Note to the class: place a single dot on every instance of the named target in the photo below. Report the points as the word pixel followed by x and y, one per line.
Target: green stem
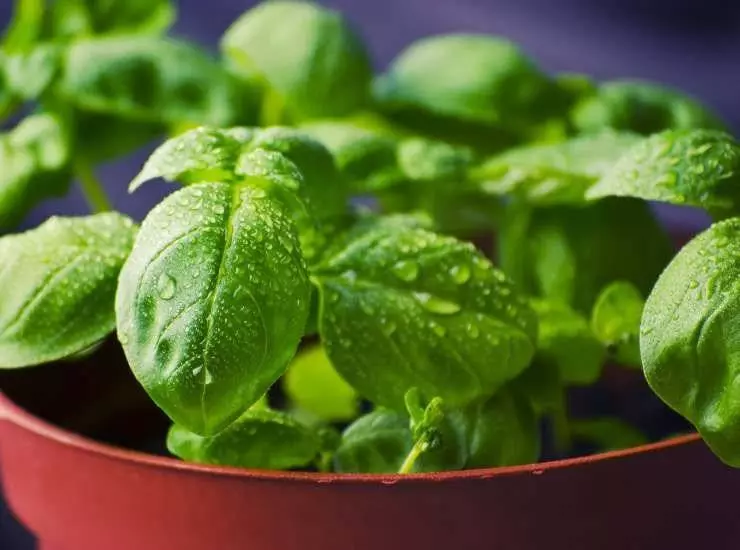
pixel 415 452
pixel 91 187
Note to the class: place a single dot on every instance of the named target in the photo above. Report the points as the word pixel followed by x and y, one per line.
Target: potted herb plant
pixel 335 375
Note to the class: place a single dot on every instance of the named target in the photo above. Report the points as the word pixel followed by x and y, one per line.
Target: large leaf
pixel 615 320
pixel 312 63
pixel 686 167
pixel 212 302
pixel 403 307
pixel 690 337
pixel 57 286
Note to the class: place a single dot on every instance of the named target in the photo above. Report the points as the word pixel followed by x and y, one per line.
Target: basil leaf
pixel 260 439
pixel 615 320
pixel 566 342
pixel 212 302
pixel 641 107
pixel 71 19
pixel 504 432
pixel 27 75
pixel 405 307
pixel 569 253
pixel 375 443
pixel 313 386
pixel 689 338
pixel 57 287
pixel 25 27
pixel 441 439
pixel 607 434
pixel 541 385
pixel 35 158
pixel 367 159
pixel 151 79
pixel 426 160
pixel 687 167
pixel 311 61
pixel 551 174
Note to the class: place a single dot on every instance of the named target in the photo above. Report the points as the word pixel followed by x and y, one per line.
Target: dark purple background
pixel 689 44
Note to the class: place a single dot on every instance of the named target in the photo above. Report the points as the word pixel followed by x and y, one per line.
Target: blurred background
pixel 689 44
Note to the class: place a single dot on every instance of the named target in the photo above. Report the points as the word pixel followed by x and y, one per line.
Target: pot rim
pixel 14 413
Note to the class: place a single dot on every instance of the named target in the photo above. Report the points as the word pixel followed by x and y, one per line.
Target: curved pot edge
pixel 11 412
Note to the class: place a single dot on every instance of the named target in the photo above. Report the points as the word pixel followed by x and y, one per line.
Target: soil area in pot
pixel 97 396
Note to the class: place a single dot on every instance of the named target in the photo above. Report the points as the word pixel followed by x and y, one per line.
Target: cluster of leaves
pixel 397 343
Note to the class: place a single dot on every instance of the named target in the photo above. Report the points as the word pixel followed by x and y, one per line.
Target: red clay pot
pixel 76 494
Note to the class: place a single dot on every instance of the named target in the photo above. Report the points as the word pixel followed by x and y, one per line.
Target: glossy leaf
pixel 259 439
pixel 504 432
pixel 689 337
pixel 426 160
pixel 641 107
pixel 470 77
pixel 152 79
pixel 615 320
pixel 550 174
pixel 212 302
pixel 405 307
pixel 566 342
pixel 57 287
pixel 35 159
pixel 375 443
pixel 311 61
pixel 688 167
pixel 313 386
pixel 569 254
pixel 440 435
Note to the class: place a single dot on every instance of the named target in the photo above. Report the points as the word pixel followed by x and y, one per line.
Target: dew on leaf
pixel 460 274
pixel 166 286
pixel 406 271
pixel 436 305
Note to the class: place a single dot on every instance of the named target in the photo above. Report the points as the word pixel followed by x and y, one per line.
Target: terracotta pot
pixel 78 494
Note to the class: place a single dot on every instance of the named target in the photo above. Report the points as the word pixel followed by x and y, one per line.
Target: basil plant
pixel 421 264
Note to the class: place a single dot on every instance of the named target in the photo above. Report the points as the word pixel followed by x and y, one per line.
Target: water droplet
pixel 208 378
pixel 436 305
pixel 406 271
pixel 438 329
pixel 197 370
pixel 166 286
pixel 693 283
pixel 460 274
pixel 388 327
pixel 472 330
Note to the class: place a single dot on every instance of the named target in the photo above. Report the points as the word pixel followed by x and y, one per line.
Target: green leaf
pixel 375 443
pixel 403 307
pixel 440 437
pixel 541 385
pixel 260 439
pixel 71 19
pixel 608 434
pixel 641 107
pixel 504 432
pixel 100 138
pixel 426 160
pixel 686 167
pixel 25 27
pixel 152 79
pixel 311 61
pixel 212 302
pixel 366 158
pixel 689 339
pixel 566 342
pixel 569 253
pixel 468 77
pixel 551 174
pixel 57 286
pixel 35 158
pixel 615 320
pixel 27 75
pixel 314 386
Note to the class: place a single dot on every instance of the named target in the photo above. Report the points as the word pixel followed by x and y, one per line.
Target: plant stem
pixel 415 452
pixel 91 187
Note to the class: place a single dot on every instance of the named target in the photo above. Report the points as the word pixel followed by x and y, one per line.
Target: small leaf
pixel 35 159
pixel 641 107
pixel 311 61
pixel 687 167
pixel 212 302
pixel 608 434
pixel 152 79
pixel 313 385
pixel 565 341
pixel 260 439
pixel 426 160
pixel 689 337
pixel 57 286
pixel 504 432
pixel 405 307
pixel 375 443
pixel 441 435
pixel 550 174
pixel 615 320
pixel 27 75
